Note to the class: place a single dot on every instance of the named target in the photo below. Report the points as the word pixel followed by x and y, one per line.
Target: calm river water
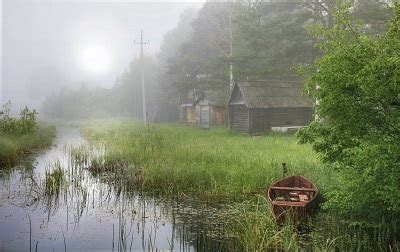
pixel 92 215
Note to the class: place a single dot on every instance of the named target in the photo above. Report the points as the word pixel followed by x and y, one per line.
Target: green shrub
pixel 25 124
pixel 357 86
pixel 19 136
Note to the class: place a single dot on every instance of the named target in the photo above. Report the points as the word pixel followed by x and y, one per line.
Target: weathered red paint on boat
pixel 293 184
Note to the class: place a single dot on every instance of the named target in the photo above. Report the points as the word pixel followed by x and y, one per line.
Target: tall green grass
pixel 15 146
pixel 255 228
pixel 54 180
pixel 216 164
pixel 213 163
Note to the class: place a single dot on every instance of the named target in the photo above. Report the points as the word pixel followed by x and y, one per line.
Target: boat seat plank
pixel 289 203
pixel 293 189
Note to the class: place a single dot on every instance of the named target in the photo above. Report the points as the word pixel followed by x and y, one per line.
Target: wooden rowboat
pixel 295 195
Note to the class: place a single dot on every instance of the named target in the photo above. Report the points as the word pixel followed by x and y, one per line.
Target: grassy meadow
pixel 215 165
pixel 13 147
pixel 174 159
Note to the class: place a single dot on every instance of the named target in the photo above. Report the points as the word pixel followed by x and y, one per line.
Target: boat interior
pixel 293 189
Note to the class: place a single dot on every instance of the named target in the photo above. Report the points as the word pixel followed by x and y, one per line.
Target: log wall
pixel 239 118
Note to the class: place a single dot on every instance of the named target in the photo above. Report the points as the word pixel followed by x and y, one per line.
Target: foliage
pixel 357 84
pixel 268 44
pixel 262 39
pixel 373 14
pixel 170 53
pixel 202 59
pixel 24 125
pixel 22 135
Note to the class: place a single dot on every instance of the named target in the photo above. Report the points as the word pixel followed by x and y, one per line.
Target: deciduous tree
pixel 357 88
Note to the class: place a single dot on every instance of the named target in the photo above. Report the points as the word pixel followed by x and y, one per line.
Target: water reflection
pixel 53 203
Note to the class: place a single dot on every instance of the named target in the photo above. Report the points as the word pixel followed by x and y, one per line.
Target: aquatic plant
pixel 54 180
pixel 255 228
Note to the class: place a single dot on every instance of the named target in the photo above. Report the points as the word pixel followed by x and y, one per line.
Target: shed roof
pixel 216 97
pixel 271 94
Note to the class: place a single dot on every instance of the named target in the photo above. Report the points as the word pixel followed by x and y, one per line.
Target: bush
pixel 25 124
pixel 357 86
pixel 20 136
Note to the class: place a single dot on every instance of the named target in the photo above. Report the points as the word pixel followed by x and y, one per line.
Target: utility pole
pixel 230 46
pixel 141 43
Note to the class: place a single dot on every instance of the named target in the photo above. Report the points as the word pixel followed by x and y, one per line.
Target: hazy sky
pixel 49 44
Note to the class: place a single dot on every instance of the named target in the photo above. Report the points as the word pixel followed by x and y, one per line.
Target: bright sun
pixel 95 59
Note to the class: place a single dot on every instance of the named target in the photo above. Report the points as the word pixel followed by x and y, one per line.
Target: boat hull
pixel 295 196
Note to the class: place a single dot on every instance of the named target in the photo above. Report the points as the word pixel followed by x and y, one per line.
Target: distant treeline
pixel 123 99
pixel 261 40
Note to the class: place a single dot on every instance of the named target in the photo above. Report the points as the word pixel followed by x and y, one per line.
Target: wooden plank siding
pixel 204 117
pixel 218 115
pixel 210 116
pixel 239 118
pixel 191 115
pixel 255 107
pixel 262 119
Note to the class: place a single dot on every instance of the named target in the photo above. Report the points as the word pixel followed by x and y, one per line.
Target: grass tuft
pixel 54 180
pixel 254 227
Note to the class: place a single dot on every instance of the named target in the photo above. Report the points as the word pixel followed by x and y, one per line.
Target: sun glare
pixel 95 59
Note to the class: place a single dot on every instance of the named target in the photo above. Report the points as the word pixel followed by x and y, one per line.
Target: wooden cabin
pixel 187 107
pixel 211 108
pixel 257 106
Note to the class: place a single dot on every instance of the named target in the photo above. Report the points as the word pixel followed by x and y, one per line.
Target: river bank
pixel 14 147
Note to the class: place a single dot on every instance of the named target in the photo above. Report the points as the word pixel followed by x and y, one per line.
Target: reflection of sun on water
pixel 95 59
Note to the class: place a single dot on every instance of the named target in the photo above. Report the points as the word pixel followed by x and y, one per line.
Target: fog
pixel 44 42
pixel 81 59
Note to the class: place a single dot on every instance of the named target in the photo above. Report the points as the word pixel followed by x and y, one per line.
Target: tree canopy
pixel 356 86
pixel 262 39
